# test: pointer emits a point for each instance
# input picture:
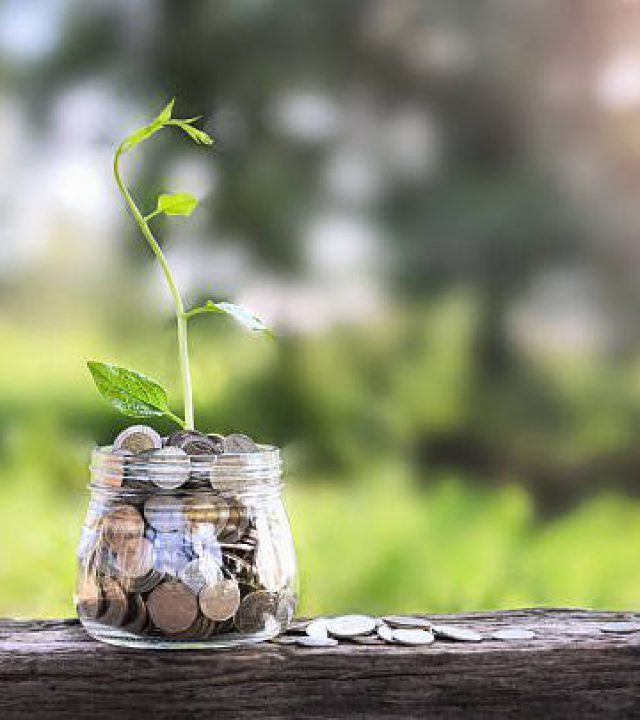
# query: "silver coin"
(407, 621)
(198, 573)
(194, 443)
(385, 633)
(366, 640)
(137, 439)
(513, 634)
(313, 641)
(412, 636)
(347, 626)
(239, 443)
(317, 628)
(454, 632)
(284, 640)
(168, 467)
(622, 628)
(165, 513)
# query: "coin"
(284, 640)
(406, 621)
(385, 633)
(122, 522)
(207, 509)
(314, 641)
(134, 557)
(143, 584)
(622, 628)
(239, 443)
(198, 573)
(164, 513)
(112, 469)
(254, 611)
(237, 522)
(220, 601)
(412, 636)
(137, 439)
(318, 628)
(136, 616)
(218, 440)
(169, 555)
(453, 632)
(88, 601)
(116, 605)
(366, 640)
(513, 634)
(172, 607)
(168, 467)
(193, 443)
(349, 625)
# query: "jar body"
(186, 555)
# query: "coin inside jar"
(172, 607)
(134, 557)
(254, 611)
(207, 509)
(137, 439)
(168, 467)
(220, 601)
(121, 522)
(165, 513)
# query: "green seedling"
(133, 393)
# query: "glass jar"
(185, 552)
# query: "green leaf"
(198, 136)
(238, 312)
(130, 392)
(165, 113)
(177, 204)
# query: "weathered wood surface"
(570, 670)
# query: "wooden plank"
(570, 670)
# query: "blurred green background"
(435, 203)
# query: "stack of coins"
(173, 556)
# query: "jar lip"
(267, 456)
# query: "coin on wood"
(172, 607)
(412, 636)
(455, 632)
(220, 601)
(137, 439)
(513, 634)
(350, 625)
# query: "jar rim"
(266, 455)
(225, 471)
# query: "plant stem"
(183, 340)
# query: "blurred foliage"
(463, 171)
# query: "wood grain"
(51, 668)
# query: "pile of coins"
(387, 630)
(172, 555)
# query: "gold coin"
(123, 521)
(88, 600)
(137, 439)
(115, 602)
(134, 557)
(210, 509)
(172, 607)
(220, 601)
